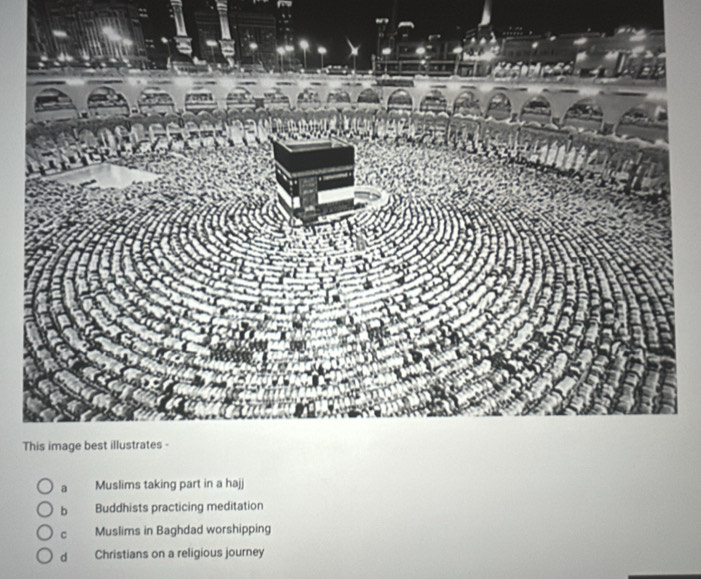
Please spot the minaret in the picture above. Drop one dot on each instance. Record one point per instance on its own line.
(487, 40)
(226, 43)
(487, 13)
(485, 30)
(393, 23)
(182, 41)
(394, 20)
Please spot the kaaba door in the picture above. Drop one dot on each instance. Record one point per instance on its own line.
(309, 194)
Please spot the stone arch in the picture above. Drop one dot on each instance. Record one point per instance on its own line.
(400, 100)
(236, 131)
(104, 101)
(499, 107)
(275, 99)
(467, 103)
(204, 116)
(155, 100)
(88, 138)
(585, 114)
(368, 98)
(250, 131)
(121, 133)
(536, 110)
(106, 138)
(240, 99)
(398, 123)
(43, 154)
(645, 121)
(174, 131)
(192, 129)
(53, 105)
(138, 132)
(199, 100)
(157, 132)
(338, 98)
(434, 102)
(65, 139)
(308, 99)
(45, 143)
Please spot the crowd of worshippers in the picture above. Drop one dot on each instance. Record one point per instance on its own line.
(483, 287)
(70, 150)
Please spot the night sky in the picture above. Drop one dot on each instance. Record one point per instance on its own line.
(331, 22)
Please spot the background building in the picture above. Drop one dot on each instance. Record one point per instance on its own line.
(186, 35)
(254, 25)
(65, 33)
(514, 51)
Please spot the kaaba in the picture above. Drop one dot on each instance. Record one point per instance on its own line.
(315, 177)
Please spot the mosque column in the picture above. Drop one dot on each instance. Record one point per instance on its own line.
(183, 42)
(226, 43)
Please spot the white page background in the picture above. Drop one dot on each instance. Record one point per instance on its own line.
(500, 497)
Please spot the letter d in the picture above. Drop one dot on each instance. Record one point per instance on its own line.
(64, 558)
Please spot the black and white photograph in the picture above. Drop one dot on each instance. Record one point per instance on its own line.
(255, 209)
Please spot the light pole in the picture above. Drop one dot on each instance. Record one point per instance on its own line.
(354, 54)
(534, 47)
(281, 52)
(253, 46)
(304, 45)
(164, 40)
(457, 51)
(421, 52)
(322, 51)
(386, 51)
(289, 49)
